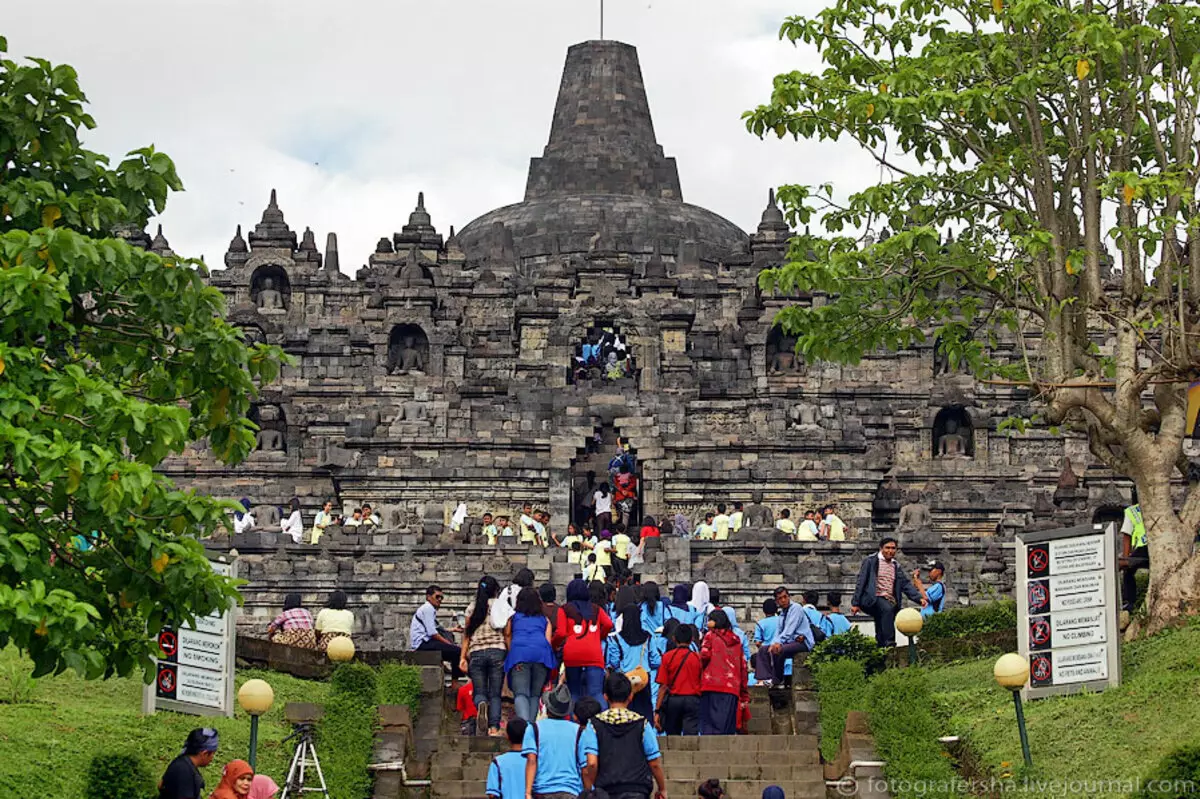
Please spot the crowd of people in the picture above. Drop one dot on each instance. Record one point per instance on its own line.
(183, 779)
(291, 523)
(603, 356)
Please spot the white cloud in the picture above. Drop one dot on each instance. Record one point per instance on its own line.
(349, 109)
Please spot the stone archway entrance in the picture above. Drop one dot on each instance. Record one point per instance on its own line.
(590, 469)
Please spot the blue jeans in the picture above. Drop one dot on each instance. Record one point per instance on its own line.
(586, 681)
(527, 681)
(486, 668)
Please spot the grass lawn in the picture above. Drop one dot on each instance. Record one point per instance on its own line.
(46, 745)
(1117, 735)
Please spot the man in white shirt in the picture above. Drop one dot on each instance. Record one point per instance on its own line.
(833, 528)
(721, 523)
(369, 517)
(706, 531)
(784, 523)
(735, 518)
(527, 522)
(807, 531)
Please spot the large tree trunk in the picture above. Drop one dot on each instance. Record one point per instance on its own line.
(1174, 571)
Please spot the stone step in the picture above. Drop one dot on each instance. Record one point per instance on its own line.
(725, 766)
(807, 788)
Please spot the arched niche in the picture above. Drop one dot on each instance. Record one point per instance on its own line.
(603, 353)
(253, 334)
(408, 350)
(781, 353)
(272, 423)
(270, 289)
(953, 433)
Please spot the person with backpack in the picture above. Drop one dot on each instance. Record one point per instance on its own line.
(678, 708)
(506, 774)
(483, 652)
(723, 683)
(623, 758)
(553, 752)
(833, 622)
(633, 653)
(793, 634)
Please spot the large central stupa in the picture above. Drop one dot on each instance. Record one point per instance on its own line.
(604, 172)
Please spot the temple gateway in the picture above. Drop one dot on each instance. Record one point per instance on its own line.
(447, 371)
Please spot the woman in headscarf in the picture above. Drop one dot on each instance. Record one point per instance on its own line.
(263, 787)
(579, 631)
(679, 609)
(723, 684)
(654, 613)
(738, 631)
(683, 527)
(701, 601)
(243, 521)
(235, 781)
(632, 651)
(293, 626)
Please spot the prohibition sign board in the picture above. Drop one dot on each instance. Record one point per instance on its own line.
(166, 681)
(169, 644)
(1039, 633)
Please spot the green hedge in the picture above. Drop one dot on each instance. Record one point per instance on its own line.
(400, 685)
(120, 775)
(347, 732)
(962, 622)
(841, 687)
(906, 735)
(851, 645)
(1176, 775)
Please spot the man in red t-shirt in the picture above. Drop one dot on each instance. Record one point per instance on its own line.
(678, 711)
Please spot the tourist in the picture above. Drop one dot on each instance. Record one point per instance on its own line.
(631, 652)
(680, 608)
(593, 572)
(468, 713)
(785, 524)
(654, 611)
(575, 555)
(807, 530)
(333, 620)
(585, 497)
(737, 517)
(585, 710)
(426, 636)
(552, 751)
(548, 593)
(506, 774)
(723, 683)
(502, 610)
(773, 792)
(541, 528)
(832, 526)
(878, 591)
(293, 525)
(935, 592)
(650, 529)
(243, 520)
(182, 779)
(262, 787)
(764, 635)
(625, 495)
(457, 520)
(706, 531)
(682, 526)
(622, 546)
(1135, 554)
(711, 789)
(483, 655)
(235, 781)
(369, 517)
(525, 524)
(793, 634)
(623, 758)
(572, 537)
(811, 598)
(355, 519)
(701, 602)
(602, 549)
(614, 369)
(677, 710)
(602, 503)
(621, 458)
(834, 623)
(721, 522)
(737, 628)
(530, 660)
(323, 520)
(293, 626)
(579, 632)
(491, 532)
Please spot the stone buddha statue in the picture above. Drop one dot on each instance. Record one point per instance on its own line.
(916, 523)
(952, 444)
(406, 358)
(269, 439)
(269, 297)
(758, 514)
(785, 356)
(412, 274)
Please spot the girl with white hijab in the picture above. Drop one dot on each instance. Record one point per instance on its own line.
(701, 603)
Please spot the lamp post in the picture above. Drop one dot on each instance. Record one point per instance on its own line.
(255, 697)
(910, 621)
(340, 649)
(1012, 672)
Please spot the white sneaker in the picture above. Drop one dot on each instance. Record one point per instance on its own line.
(765, 683)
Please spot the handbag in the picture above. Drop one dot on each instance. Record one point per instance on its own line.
(639, 677)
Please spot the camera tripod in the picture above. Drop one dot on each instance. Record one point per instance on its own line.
(306, 756)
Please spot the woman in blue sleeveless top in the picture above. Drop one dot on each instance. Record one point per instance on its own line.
(530, 659)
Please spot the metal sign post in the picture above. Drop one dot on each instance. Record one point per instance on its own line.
(196, 674)
(1068, 609)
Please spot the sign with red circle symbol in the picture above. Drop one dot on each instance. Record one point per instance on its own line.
(169, 644)
(1039, 561)
(1039, 597)
(1039, 633)
(1041, 670)
(166, 681)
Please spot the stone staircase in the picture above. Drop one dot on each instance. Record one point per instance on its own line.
(780, 749)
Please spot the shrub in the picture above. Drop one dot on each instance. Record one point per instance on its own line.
(998, 616)
(400, 685)
(118, 775)
(348, 731)
(17, 683)
(851, 645)
(841, 687)
(906, 735)
(1176, 775)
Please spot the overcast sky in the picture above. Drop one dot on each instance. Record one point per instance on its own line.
(350, 108)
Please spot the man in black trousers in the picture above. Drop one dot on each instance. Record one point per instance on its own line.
(881, 582)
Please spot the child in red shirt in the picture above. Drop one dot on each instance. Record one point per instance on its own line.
(678, 711)
(465, 704)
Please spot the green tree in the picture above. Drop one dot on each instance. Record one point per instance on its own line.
(111, 359)
(1036, 134)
